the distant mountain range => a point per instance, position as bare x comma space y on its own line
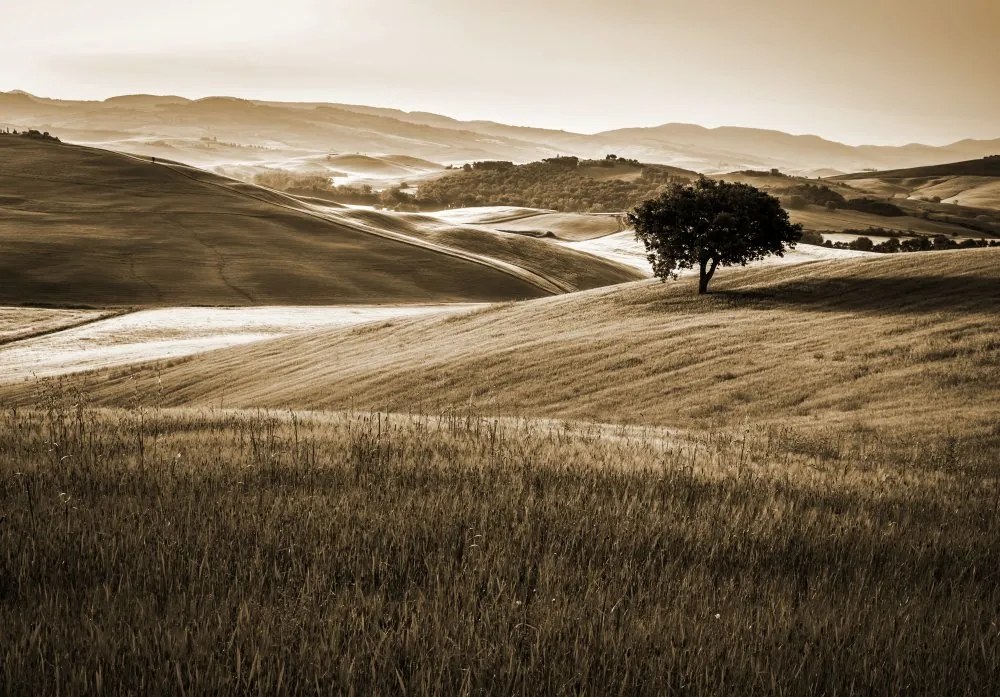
293, 127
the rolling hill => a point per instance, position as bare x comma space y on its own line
894, 341
175, 127
390, 165
917, 212
971, 183
91, 227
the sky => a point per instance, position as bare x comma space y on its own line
856, 71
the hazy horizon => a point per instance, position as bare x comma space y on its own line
484, 118
900, 72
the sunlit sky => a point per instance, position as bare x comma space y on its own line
858, 71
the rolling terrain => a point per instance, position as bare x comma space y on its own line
897, 341
568, 269
609, 486
909, 190
91, 227
239, 130
972, 183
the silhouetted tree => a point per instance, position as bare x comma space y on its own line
708, 224
811, 237
890, 246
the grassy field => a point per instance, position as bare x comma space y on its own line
893, 342
149, 551
787, 487
91, 227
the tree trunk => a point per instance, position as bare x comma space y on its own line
703, 281
706, 274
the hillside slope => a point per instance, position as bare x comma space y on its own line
83, 226
569, 269
895, 341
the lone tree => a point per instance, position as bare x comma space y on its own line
711, 223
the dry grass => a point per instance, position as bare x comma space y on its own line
153, 552
905, 343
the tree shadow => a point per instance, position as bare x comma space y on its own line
905, 294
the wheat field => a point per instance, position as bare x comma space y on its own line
234, 552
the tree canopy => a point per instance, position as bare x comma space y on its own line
708, 224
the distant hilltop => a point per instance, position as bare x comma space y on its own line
323, 127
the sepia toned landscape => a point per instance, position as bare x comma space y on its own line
344, 353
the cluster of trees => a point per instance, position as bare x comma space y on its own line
319, 186
875, 207
210, 142
562, 162
873, 231
489, 166
30, 133
613, 161
916, 244
559, 183
802, 195
819, 194
811, 237
774, 172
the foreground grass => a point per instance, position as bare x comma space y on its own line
241, 553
